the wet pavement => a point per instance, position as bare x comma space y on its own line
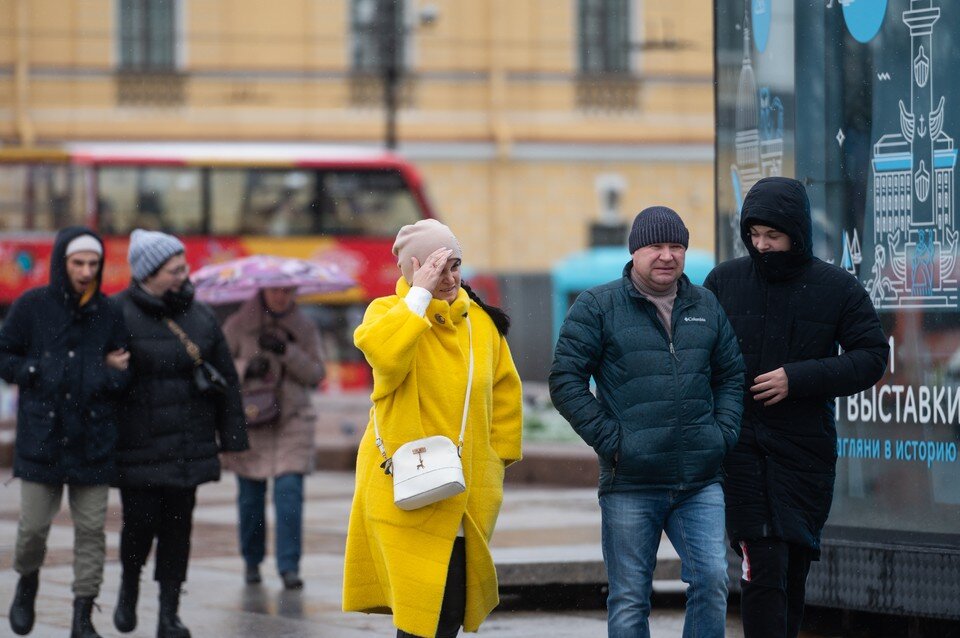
545, 536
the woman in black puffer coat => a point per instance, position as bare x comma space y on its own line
170, 433
790, 310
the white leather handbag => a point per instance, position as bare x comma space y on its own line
427, 470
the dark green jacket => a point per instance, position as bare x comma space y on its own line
665, 412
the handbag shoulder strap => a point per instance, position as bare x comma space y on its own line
466, 404
278, 386
192, 349
466, 397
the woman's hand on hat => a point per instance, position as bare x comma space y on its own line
428, 274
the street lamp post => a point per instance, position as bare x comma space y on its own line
390, 67
391, 30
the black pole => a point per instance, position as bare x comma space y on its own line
390, 67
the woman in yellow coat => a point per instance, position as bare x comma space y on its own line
431, 567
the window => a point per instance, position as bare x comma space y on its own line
283, 203
604, 36
40, 197
262, 201
369, 22
372, 203
148, 35
167, 199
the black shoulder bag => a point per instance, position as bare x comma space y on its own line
206, 378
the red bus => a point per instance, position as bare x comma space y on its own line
338, 203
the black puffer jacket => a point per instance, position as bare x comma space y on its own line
170, 434
54, 349
790, 310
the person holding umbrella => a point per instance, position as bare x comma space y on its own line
276, 350
240, 279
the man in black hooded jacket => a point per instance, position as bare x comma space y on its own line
789, 310
64, 346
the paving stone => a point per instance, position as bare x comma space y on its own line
545, 537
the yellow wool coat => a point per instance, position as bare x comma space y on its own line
396, 561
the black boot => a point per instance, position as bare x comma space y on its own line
82, 624
125, 615
168, 624
22, 610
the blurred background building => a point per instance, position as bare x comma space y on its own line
523, 115
540, 127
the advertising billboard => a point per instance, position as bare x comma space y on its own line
860, 100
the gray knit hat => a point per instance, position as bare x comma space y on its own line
150, 249
658, 225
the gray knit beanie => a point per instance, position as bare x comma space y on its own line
658, 225
150, 249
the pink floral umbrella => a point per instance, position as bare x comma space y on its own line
240, 279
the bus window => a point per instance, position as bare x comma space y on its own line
373, 203
167, 199
308, 202
262, 202
40, 197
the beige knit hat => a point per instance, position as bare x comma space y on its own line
420, 240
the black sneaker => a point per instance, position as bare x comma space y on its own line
252, 575
291, 580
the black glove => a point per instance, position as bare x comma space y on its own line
272, 343
257, 368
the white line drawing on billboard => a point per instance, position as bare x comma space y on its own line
851, 258
759, 136
914, 231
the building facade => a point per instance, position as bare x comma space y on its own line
527, 117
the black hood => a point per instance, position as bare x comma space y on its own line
59, 280
781, 203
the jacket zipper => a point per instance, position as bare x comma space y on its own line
678, 307
676, 399
674, 357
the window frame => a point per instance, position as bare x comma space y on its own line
363, 39
585, 62
134, 52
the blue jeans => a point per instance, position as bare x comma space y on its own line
632, 524
288, 506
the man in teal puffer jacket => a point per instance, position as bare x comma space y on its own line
668, 403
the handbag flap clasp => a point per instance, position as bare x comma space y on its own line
419, 451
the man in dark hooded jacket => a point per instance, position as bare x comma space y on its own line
789, 310
63, 345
